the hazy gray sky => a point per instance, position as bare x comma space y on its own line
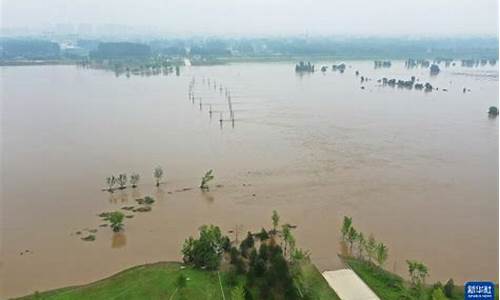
325, 17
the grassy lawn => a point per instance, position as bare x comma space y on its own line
389, 286
157, 281
385, 284
318, 283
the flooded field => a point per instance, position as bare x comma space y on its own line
418, 170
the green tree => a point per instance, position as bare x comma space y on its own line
371, 246
351, 237
448, 288
291, 244
115, 220
276, 220
418, 272
381, 253
205, 179
134, 180
437, 294
263, 235
346, 226
158, 174
299, 255
287, 236
361, 244
247, 244
207, 250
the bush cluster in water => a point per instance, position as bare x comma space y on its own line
304, 67
408, 84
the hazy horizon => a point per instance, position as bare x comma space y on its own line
387, 18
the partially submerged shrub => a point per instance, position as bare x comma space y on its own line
146, 200
115, 220
149, 200
110, 182
205, 179
89, 238
122, 181
134, 180
142, 209
104, 215
158, 174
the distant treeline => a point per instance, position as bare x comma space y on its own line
308, 48
121, 50
29, 49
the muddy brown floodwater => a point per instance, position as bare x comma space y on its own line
418, 170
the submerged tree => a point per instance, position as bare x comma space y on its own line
122, 181
134, 180
205, 179
115, 220
158, 174
110, 182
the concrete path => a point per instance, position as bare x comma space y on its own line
348, 285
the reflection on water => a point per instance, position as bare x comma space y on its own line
123, 196
136, 193
408, 166
344, 249
120, 196
209, 198
113, 198
160, 193
118, 240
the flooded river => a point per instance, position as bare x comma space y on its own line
418, 170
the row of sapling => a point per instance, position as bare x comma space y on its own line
120, 181
372, 250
